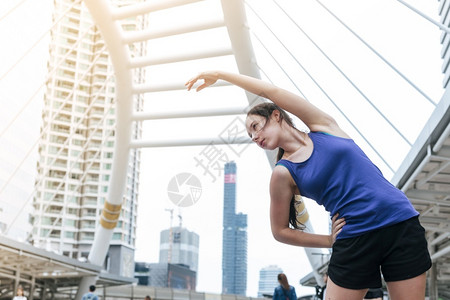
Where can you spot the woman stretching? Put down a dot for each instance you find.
(374, 225)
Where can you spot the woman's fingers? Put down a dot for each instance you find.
(201, 87)
(336, 226)
(334, 217)
(191, 82)
(209, 78)
(338, 223)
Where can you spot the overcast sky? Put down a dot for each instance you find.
(405, 39)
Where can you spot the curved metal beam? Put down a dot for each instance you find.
(119, 55)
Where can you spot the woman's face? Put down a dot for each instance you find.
(262, 131)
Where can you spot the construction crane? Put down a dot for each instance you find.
(169, 254)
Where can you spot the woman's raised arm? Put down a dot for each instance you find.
(313, 117)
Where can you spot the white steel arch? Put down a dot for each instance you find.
(101, 12)
(107, 19)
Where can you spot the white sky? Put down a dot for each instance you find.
(405, 39)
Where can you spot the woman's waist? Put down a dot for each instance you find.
(361, 222)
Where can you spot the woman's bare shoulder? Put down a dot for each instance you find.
(281, 176)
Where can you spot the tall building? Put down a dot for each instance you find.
(268, 280)
(77, 142)
(234, 251)
(179, 246)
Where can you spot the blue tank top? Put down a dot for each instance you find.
(339, 176)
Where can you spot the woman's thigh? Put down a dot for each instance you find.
(335, 292)
(411, 289)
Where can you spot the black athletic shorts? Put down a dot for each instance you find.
(399, 251)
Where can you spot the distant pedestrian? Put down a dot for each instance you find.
(284, 291)
(148, 297)
(20, 295)
(90, 295)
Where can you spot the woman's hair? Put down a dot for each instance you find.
(265, 110)
(283, 281)
(20, 290)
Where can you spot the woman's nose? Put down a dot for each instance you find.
(255, 137)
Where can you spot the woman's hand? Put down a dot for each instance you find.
(336, 228)
(209, 77)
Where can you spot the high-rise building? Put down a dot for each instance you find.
(179, 246)
(268, 280)
(234, 239)
(77, 142)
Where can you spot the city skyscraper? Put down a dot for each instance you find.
(77, 142)
(268, 280)
(234, 239)
(178, 261)
(179, 246)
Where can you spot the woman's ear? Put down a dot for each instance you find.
(276, 115)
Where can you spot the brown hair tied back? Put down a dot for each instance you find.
(265, 110)
(283, 281)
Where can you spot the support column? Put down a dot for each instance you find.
(16, 281)
(432, 276)
(33, 286)
(432, 273)
(432, 283)
(111, 31)
(83, 287)
(44, 291)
